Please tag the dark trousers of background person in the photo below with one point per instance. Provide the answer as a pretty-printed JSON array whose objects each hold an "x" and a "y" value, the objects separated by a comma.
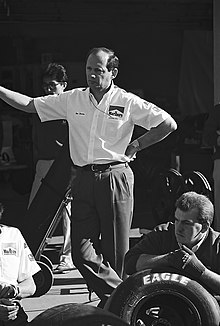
[{"x": 101, "y": 218}]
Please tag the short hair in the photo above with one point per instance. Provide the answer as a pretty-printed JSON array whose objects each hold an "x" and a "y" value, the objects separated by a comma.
[
  {"x": 113, "y": 61},
  {"x": 191, "y": 199},
  {"x": 56, "y": 71}
]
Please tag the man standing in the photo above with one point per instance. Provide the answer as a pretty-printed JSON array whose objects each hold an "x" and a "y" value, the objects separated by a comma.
[
  {"x": 48, "y": 139},
  {"x": 101, "y": 120},
  {"x": 17, "y": 267}
]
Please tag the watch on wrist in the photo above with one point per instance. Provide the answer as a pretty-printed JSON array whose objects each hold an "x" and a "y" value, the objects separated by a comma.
[{"x": 136, "y": 145}]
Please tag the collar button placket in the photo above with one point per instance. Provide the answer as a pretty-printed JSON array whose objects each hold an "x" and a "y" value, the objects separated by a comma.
[{"x": 92, "y": 137}]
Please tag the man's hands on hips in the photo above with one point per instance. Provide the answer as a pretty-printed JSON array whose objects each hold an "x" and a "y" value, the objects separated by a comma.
[
  {"x": 132, "y": 149},
  {"x": 185, "y": 259}
]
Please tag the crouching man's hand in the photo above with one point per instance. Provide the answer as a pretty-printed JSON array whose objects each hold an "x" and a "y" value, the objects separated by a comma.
[
  {"x": 8, "y": 291},
  {"x": 185, "y": 259},
  {"x": 8, "y": 310}
]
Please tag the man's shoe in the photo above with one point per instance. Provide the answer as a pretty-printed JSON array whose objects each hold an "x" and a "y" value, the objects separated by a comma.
[{"x": 63, "y": 268}]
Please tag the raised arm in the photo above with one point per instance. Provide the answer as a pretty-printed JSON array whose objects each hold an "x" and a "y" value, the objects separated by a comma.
[
  {"x": 17, "y": 100},
  {"x": 196, "y": 269}
]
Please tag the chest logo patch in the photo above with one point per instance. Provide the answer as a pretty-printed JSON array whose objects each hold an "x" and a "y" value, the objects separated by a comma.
[
  {"x": 116, "y": 111},
  {"x": 9, "y": 249}
]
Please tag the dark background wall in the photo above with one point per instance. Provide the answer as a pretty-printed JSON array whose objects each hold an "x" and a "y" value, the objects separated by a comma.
[{"x": 147, "y": 35}]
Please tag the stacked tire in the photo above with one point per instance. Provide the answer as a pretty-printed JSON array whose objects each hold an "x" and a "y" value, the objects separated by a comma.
[{"x": 73, "y": 314}]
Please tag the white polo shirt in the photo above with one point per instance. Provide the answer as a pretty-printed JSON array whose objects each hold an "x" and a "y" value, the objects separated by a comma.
[
  {"x": 99, "y": 132},
  {"x": 16, "y": 260}
]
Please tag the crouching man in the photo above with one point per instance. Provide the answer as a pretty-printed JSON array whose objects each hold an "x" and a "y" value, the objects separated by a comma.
[
  {"x": 190, "y": 245},
  {"x": 17, "y": 267}
]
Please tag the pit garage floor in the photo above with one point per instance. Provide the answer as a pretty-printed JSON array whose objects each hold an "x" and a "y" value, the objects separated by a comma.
[{"x": 66, "y": 288}]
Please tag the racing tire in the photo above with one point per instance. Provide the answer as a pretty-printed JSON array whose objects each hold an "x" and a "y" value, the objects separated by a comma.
[
  {"x": 167, "y": 187},
  {"x": 153, "y": 298},
  {"x": 196, "y": 181},
  {"x": 43, "y": 279},
  {"x": 74, "y": 314}
]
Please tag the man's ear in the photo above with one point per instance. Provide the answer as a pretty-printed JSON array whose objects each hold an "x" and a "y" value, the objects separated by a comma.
[
  {"x": 205, "y": 227},
  {"x": 114, "y": 72},
  {"x": 64, "y": 85}
]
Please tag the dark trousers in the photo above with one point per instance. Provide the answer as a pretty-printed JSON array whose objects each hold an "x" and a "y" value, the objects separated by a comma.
[{"x": 102, "y": 210}]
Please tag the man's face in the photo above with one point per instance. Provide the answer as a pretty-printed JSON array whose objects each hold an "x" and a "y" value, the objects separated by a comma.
[
  {"x": 51, "y": 86},
  {"x": 97, "y": 75},
  {"x": 188, "y": 230}
]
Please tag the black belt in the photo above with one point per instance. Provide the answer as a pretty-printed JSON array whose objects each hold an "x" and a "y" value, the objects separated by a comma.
[{"x": 100, "y": 167}]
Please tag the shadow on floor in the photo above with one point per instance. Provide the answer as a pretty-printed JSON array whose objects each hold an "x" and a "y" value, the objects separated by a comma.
[{"x": 69, "y": 281}]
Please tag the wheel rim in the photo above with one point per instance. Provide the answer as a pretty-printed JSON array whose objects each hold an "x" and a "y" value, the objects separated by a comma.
[
  {"x": 43, "y": 279},
  {"x": 165, "y": 309},
  {"x": 196, "y": 181},
  {"x": 44, "y": 259},
  {"x": 168, "y": 186}
]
